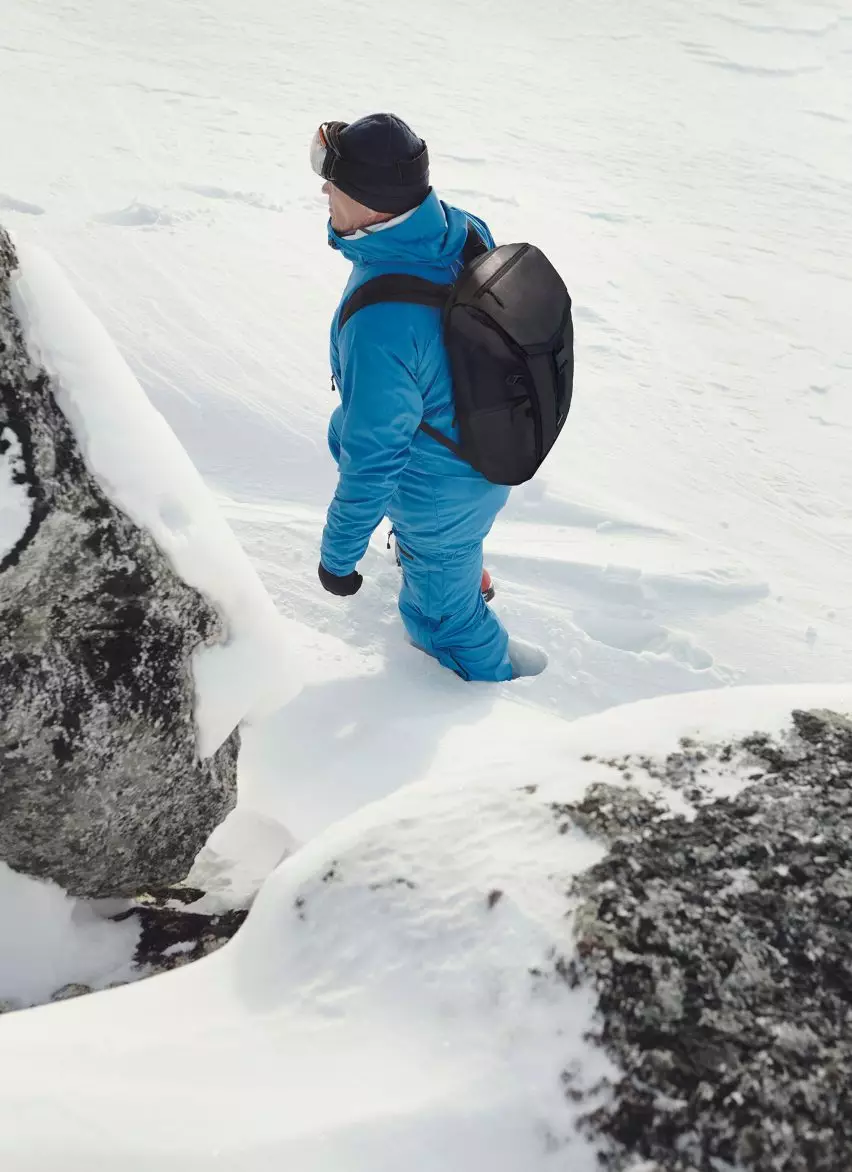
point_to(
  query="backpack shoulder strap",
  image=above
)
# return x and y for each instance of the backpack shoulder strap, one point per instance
(392, 287)
(445, 440)
(399, 287)
(474, 245)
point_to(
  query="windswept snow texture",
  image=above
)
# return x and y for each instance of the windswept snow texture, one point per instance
(686, 167)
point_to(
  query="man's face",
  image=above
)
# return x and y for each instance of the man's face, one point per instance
(347, 215)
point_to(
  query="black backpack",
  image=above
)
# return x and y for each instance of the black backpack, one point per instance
(510, 339)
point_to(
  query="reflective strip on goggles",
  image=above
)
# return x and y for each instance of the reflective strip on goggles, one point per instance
(319, 152)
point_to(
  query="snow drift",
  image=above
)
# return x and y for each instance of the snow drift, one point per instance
(402, 990)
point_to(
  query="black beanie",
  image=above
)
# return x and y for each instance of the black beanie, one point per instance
(383, 141)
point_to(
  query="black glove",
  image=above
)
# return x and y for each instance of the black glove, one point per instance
(342, 587)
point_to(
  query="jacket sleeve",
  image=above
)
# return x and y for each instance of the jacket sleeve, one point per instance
(383, 407)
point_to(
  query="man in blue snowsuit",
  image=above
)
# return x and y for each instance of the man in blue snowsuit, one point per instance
(392, 371)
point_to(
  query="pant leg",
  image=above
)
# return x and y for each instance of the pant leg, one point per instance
(441, 597)
(444, 613)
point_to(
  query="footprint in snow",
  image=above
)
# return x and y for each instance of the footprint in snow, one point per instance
(144, 215)
(250, 198)
(137, 215)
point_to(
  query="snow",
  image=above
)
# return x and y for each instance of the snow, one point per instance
(144, 470)
(379, 1005)
(392, 1022)
(688, 173)
(50, 940)
(14, 500)
(694, 521)
(237, 858)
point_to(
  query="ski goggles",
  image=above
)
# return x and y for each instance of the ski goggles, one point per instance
(328, 163)
(325, 149)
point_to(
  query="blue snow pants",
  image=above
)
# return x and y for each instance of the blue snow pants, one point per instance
(441, 599)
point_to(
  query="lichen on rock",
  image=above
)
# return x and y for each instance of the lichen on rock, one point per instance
(101, 786)
(720, 946)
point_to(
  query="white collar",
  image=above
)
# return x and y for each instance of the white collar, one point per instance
(371, 231)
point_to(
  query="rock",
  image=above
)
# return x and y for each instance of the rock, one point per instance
(67, 992)
(101, 786)
(171, 936)
(720, 947)
(821, 727)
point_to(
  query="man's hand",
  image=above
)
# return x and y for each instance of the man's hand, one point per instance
(342, 587)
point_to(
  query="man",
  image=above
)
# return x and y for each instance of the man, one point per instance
(391, 368)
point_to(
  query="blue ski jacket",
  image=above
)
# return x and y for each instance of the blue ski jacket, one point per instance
(391, 368)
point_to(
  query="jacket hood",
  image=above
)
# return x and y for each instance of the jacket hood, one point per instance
(433, 234)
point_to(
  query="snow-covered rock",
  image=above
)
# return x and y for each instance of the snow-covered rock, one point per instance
(717, 938)
(426, 983)
(118, 748)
